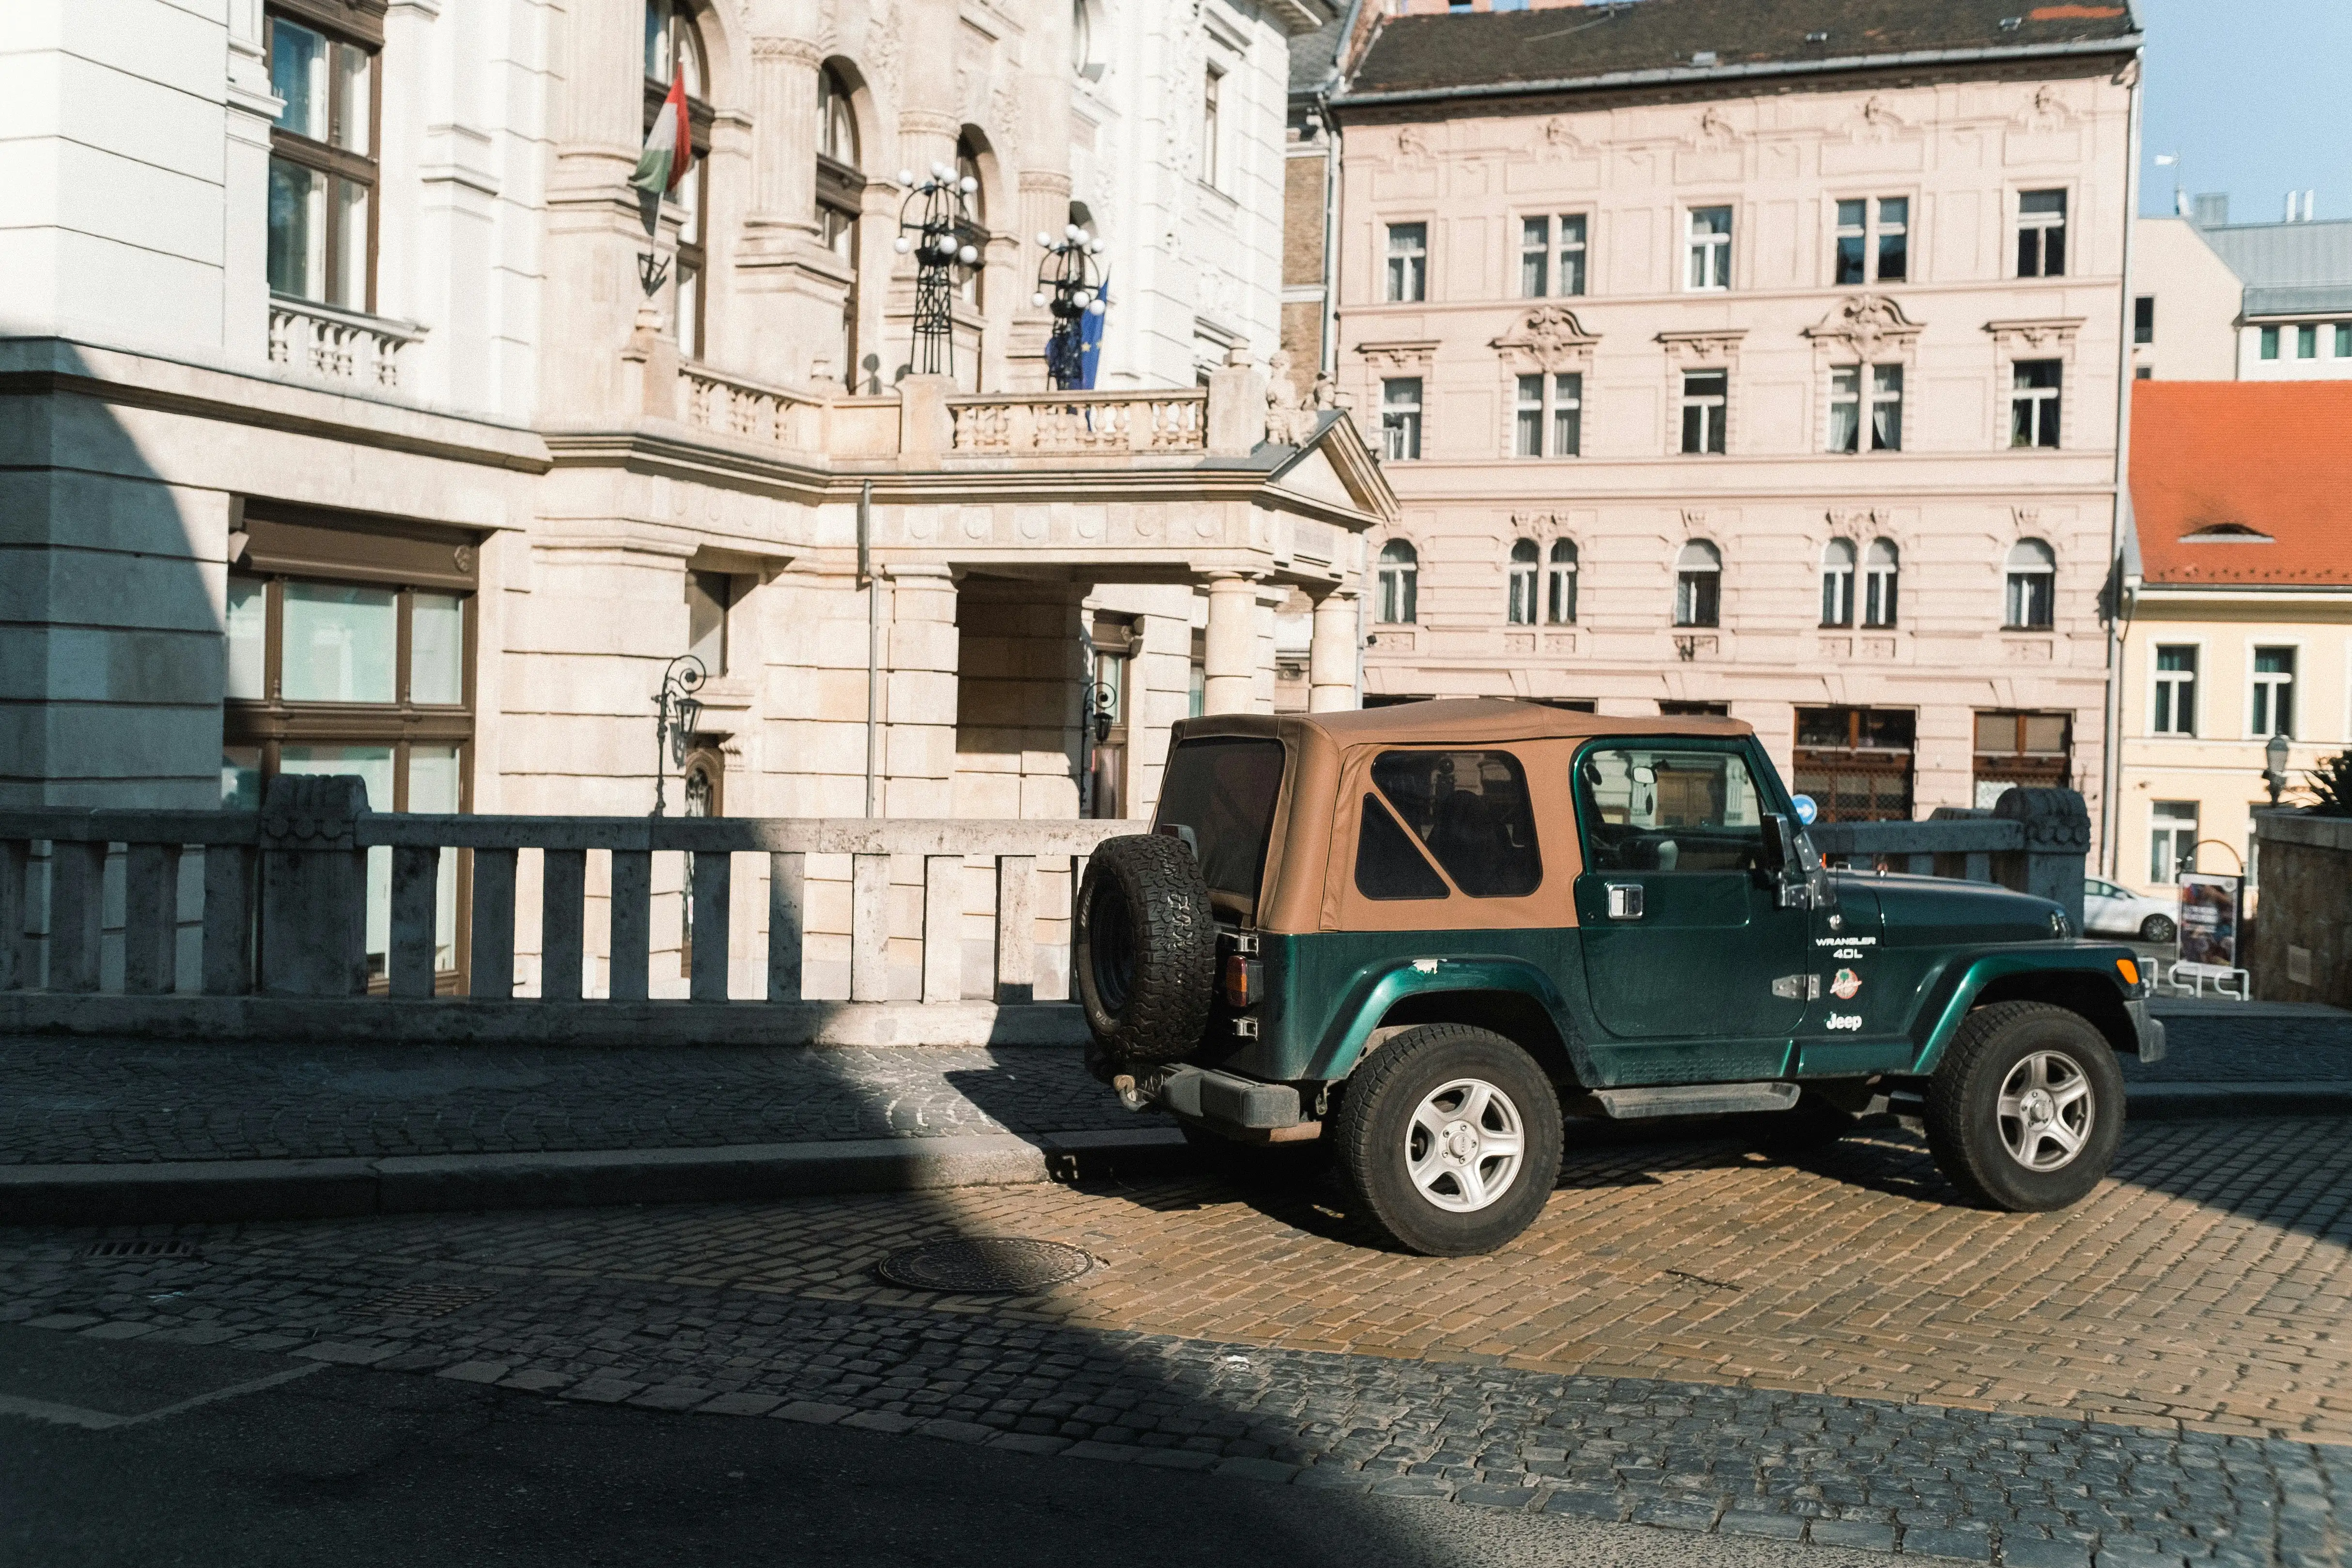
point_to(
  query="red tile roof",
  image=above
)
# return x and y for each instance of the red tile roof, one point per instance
(2217, 465)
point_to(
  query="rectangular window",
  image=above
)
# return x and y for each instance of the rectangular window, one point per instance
(1845, 408)
(2270, 342)
(2042, 234)
(709, 595)
(1572, 254)
(1489, 851)
(1705, 410)
(2307, 342)
(2033, 403)
(1550, 416)
(2174, 707)
(2344, 339)
(1212, 171)
(2021, 749)
(1535, 258)
(1886, 408)
(2272, 711)
(1653, 810)
(1408, 262)
(2144, 318)
(1855, 762)
(1874, 240)
(1400, 419)
(2172, 839)
(323, 164)
(1710, 248)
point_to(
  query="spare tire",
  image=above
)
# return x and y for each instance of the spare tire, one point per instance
(1144, 950)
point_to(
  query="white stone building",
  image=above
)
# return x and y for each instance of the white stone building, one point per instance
(1725, 365)
(337, 436)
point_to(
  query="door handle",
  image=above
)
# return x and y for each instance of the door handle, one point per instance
(1625, 900)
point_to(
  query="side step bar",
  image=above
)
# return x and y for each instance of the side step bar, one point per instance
(1696, 1100)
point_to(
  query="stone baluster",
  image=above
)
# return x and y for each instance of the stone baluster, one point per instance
(415, 910)
(313, 888)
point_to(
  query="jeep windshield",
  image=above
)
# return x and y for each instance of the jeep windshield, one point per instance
(1218, 795)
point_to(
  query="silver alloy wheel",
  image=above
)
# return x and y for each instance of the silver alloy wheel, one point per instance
(2045, 1111)
(1464, 1145)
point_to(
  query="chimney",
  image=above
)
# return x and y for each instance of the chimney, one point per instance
(2212, 210)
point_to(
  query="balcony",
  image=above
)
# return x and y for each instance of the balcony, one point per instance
(325, 343)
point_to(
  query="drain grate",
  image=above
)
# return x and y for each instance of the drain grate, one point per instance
(141, 1249)
(426, 1300)
(986, 1265)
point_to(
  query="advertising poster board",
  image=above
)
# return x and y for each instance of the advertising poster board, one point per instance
(2209, 921)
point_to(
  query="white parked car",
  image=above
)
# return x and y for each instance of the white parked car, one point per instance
(2118, 911)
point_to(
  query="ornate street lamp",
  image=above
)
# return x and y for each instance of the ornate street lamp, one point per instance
(677, 709)
(2276, 774)
(1070, 286)
(935, 227)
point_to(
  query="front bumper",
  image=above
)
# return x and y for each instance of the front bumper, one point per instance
(2147, 1029)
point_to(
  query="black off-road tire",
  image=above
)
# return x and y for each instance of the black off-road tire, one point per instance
(1144, 951)
(1965, 1128)
(1372, 1130)
(2158, 928)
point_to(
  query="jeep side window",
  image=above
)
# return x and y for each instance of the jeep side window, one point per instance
(1654, 808)
(1387, 866)
(1471, 810)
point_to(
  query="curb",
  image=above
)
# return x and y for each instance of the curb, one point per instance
(2198, 1101)
(203, 1191)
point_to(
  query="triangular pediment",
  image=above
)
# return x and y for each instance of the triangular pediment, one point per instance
(1313, 477)
(1332, 468)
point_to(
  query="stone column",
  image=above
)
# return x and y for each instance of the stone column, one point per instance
(784, 144)
(1230, 662)
(1331, 656)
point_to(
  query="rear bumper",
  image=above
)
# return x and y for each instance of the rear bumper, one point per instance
(1229, 1103)
(2147, 1029)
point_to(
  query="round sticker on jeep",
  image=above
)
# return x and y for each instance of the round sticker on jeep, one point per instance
(1846, 983)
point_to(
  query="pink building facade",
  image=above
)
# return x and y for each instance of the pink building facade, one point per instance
(1728, 382)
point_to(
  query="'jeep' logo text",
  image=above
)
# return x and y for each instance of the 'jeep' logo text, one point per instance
(1845, 1021)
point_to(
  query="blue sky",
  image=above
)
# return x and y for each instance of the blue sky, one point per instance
(2251, 94)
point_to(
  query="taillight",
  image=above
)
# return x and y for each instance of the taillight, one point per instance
(1244, 979)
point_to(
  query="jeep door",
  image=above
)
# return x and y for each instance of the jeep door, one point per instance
(1678, 915)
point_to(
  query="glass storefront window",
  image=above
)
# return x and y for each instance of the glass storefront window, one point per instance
(341, 643)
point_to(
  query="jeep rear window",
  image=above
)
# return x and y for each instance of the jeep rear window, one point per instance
(1471, 808)
(1223, 789)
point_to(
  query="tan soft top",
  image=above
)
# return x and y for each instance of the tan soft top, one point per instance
(1321, 744)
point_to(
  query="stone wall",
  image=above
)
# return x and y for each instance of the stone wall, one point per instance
(2303, 941)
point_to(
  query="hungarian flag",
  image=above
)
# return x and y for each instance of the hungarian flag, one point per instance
(668, 149)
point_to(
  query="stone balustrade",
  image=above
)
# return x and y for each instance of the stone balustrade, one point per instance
(283, 916)
(325, 343)
(1065, 425)
(750, 411)
(2032, 841)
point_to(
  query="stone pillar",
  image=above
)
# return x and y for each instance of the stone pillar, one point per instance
(919, 710)
(784, 132)
(1331, 656)
(313, 888)
(244, 189)
(1236, 413)
(1231, 665)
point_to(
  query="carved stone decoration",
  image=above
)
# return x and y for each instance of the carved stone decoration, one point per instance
(1694, 518)
(1004, 114)
(1411, 145)
(1289, 418)
(2023, 336)
(883, 51)
(1550, 338)
(1707, 347)
(1558, 134)
(1397, 357)
(2047, 111)
(2026, 519)
(1866, 325)
(1855, 522)
(1878, 121)
(1714, 128)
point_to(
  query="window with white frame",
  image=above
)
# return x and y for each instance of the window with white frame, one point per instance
(1708, 243)
(1401, 418)
(1523, 573)
(2172, 839)
(2033, 401)
(1874, 240)
(1698, 585)
(1886, 397)
(2032, 587)
(1399, 584)
(2272, 711)
(1408, 278)
(1837, 583)
(1706, 408)
(1560, 584)
(1548, 418)
(2042, 234)
(1213, 131)
(1880, 568)
(2174, 706)
(1545, 268)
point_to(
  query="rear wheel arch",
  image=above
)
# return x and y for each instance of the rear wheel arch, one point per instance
(1518, 1016)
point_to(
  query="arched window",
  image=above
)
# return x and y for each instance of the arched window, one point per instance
(1082, 40)
(967, 168)
(2032, 587)
(1523, 583)
(674, 48)
(1400, 584)
(840, 193)
(1880, 568)
(1698, 585)
(1560, 584)
(1837, 583)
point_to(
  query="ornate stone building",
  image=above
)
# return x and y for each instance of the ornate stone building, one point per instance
(1759, 359)
(338, 434)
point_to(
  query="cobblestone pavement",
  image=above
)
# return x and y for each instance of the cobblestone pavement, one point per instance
(1692, 1336)
(105, 1101)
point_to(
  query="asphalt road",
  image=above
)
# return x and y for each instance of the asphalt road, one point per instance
(168, 1455)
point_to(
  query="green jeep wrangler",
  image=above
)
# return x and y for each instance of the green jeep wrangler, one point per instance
(1428, 934)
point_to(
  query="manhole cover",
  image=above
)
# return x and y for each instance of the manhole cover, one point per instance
(986, 1264)
(426, 1300)
(140, 1250)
